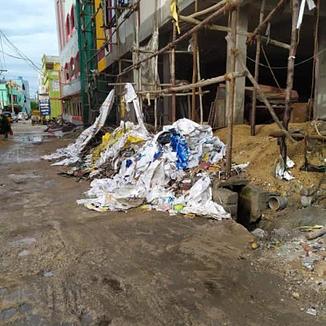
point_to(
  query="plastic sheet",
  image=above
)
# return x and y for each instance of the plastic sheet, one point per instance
(71, 153)
(281, 172)
(146, 176)
(146, 168)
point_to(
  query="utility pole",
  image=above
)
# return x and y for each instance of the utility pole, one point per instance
(2, 100)
(11, 96)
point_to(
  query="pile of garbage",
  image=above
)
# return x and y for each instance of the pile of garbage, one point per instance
(170, 171)
(59, 127)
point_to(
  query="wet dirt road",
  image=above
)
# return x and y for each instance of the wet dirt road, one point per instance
(65, 265)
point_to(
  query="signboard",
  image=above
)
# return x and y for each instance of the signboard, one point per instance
(45, 107)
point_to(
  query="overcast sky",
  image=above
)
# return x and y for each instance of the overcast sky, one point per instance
(31, 26)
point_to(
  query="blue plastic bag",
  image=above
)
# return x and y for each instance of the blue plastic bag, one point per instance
(180, 146)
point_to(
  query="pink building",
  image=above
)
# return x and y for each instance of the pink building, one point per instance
(69, 60)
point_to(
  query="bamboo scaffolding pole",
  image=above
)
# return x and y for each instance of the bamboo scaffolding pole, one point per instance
(131, 10)
(229, 6)
(194, 69)
(291, 61)
(156, 93)
(156, 69)
(290, 76)
(209, 9)
(257, 61)
(202, 83)
(263, 97)
(172, 65)
(259, 28)
(220, 28)
(231, 39)
(316, 61)
(201, 106)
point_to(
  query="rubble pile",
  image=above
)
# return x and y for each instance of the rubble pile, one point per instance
(170, 171)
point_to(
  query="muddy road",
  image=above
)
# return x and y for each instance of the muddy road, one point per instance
(62, 264)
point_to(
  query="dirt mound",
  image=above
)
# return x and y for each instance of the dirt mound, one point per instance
(262, 152)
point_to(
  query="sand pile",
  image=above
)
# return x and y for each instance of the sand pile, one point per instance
(262, 152)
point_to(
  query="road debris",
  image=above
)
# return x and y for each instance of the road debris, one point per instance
(312, 311)
(170, 171)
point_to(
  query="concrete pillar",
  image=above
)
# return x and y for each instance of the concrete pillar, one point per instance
(320, 92)
(241, 45)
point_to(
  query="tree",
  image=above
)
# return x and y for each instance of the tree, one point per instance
(34, 105)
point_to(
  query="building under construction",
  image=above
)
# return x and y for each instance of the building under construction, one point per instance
(190, 43)
(217, 62)
(161, 44)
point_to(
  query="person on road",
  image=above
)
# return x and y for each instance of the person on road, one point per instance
(5, 127)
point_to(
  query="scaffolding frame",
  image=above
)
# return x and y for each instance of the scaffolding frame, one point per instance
(197, 21)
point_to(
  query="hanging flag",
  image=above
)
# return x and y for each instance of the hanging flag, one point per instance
(175, 13)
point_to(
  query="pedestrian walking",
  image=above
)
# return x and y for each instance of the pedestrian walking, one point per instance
(5, 126)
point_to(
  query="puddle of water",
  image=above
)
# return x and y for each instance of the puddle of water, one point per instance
(18, 154)
(21, 148)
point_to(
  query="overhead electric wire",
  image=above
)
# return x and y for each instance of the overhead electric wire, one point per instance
(270, 68)
(10, 55)
(3, 56)
(19, 52)
(285, 67)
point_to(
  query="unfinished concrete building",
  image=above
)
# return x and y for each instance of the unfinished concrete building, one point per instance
(124, 26)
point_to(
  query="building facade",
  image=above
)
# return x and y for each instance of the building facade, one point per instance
(100, 39)
(115, 43)
(70, 85)
(50, 84)
(14, 95)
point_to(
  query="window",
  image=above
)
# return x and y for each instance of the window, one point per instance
(68, 26)
(72, 68)
(49, 66)
(109, 14)
(110, 21)
(66, 72)
(72, 18)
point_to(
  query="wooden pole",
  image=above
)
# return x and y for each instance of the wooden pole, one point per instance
(263, 97)
(219, 28)
(316, 62)
(201, 106)
(135, 66)
(231, 89)
(291, 61)
(231, 4)
(209, 9)
(254, 96)
(156, 70)
(259, 28)
(194, 69)
(202, 83)
(290, 75)
(174, 99)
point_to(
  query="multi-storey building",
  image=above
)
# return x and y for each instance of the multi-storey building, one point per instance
(14, 95)
(120, 30)
(50, 84)
(69, 60)
(113, 33)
